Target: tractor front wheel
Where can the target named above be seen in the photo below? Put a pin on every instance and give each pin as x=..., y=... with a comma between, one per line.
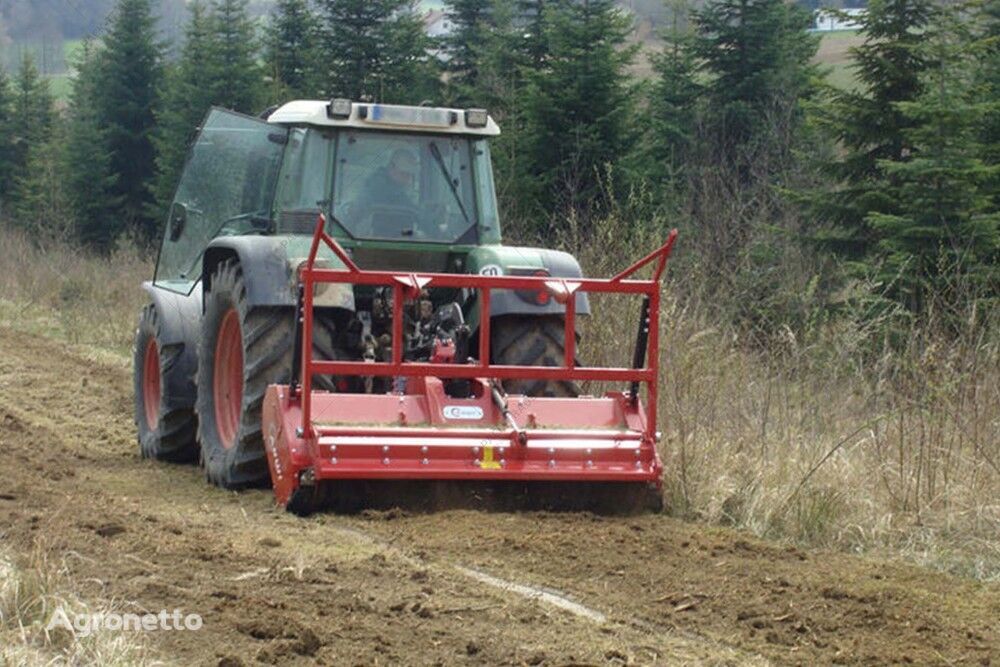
x=524, y=340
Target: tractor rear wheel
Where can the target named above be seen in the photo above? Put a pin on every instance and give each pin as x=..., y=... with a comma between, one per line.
x=519, y=340
x=242, y=350
x=166, y=422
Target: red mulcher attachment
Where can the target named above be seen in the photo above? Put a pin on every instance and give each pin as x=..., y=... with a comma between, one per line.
x=315, y=438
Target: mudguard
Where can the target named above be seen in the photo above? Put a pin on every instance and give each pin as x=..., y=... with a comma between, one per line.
x=268, y=264
x=180, y=325
x=507, y=260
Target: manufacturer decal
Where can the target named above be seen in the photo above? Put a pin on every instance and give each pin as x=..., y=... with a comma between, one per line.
x=491, y=270
x=463, y=412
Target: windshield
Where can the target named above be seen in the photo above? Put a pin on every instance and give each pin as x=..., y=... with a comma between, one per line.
x=390, y=185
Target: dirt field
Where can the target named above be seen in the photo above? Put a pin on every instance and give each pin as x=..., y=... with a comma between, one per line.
x=454, y=587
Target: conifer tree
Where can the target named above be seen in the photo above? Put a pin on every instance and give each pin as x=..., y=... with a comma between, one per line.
x=756, y=56
x=580, y=107
x=32, y=119
x=129, y=83
x=870, y=126
x=673, y=105
x=188, y=95
x=533, y=45
x=943, y=235
x=292, y=42
x=236, y=74
x=87, y=162
x=471, y=22
x=6, y=140
x=374, y=49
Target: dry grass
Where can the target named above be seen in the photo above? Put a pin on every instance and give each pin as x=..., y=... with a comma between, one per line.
x=816, y=441
x=837, y=440
x=64, y=292
x=32, y=589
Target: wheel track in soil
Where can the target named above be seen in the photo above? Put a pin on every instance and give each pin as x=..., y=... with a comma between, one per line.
x=389, y=587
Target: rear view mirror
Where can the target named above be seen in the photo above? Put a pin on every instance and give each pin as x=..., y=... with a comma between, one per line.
x=178, y=219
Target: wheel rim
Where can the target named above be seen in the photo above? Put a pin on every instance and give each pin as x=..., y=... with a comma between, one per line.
x=151, y=383
x=227, y=378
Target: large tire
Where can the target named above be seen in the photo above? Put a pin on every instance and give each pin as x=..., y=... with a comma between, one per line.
x=165, y=422
x=520, y=340
x=255, y=351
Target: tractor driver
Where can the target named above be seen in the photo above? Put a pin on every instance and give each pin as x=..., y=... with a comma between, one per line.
x=388, y=195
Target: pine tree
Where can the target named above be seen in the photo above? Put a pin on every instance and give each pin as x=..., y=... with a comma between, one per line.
x=129, y=82
x=375, y=49
x=871, y=127
x=756, y=56
x=237, y=77
x=292, y=42
x=471, y=22
x=943, y=236
x=87, y=162
x=580, y=107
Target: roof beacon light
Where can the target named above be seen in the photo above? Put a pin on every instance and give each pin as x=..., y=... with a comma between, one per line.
x=339, y=108
x=476, y=117
x=388, y=114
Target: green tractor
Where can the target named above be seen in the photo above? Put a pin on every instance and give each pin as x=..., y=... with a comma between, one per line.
x=403, y=189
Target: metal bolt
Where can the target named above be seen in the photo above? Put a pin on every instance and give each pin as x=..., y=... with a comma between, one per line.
x=385, y=449
x=590, y=464
x=552, y=451
x=503, y=463
x=475, y=450
x=589, y=451
x=552, y=463
x=637, y=453
x=298, y=432
x=423, y=450
x=424, y=461
x=334, y=460
x=385, y=460
x=477, y=462
x=501, y=450
x=638, y=465
x=333, y=448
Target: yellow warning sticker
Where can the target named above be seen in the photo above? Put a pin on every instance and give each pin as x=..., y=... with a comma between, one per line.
x=488, y=462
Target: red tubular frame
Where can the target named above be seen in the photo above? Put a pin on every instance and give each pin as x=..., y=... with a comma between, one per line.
x=408, y=285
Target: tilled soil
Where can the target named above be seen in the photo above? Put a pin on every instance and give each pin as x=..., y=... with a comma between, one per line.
x=453, y=587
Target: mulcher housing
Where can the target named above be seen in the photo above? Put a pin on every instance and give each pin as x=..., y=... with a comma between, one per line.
x=422, y=433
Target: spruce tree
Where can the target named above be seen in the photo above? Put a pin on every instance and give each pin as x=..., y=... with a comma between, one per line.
x=7, y=167
x=534, y=45
x=673, y=105
x=87, y=162
x=32, y=119
x=237, y=76
x=871, y=127
x=189, y=93
x=375, y=50
x=471, y=22
x=129, y=82
x=291, y=48
x=756, y=56
x=942, y=238
x=579, y=108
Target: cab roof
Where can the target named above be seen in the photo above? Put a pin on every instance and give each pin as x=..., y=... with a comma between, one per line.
x=389, y=117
